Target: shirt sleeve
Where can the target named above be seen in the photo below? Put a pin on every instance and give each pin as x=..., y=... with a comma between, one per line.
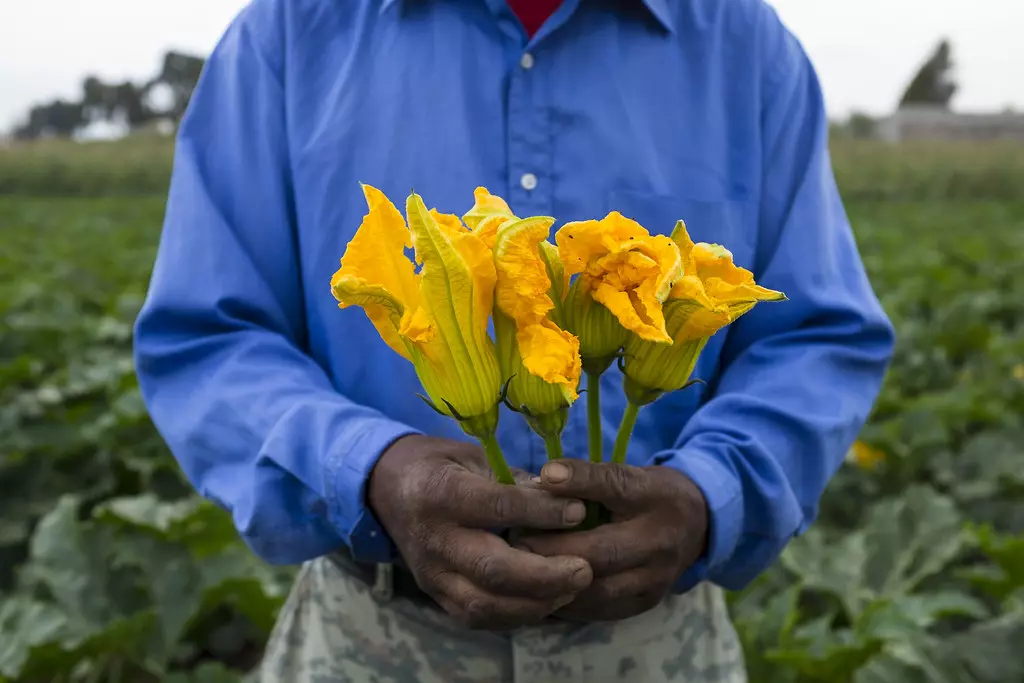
x=253, y=420
x=797, y=378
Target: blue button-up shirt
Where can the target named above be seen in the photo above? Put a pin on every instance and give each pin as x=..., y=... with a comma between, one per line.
x=277, y=404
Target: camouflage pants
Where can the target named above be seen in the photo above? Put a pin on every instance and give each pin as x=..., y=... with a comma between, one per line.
x=333, y=629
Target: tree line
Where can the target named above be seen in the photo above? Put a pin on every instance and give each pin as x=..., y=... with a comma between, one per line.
x=163, y=97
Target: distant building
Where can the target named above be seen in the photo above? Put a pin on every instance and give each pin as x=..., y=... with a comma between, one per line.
x=926, y=123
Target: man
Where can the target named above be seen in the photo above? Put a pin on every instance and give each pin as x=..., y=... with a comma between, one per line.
x=298, y=419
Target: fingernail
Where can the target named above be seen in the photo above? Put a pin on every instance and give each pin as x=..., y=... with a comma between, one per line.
x=535, y=480
x=582, y=577
x=575, y=512
x=555, y=473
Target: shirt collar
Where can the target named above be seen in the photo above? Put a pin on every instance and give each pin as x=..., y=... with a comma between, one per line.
x=658, y=8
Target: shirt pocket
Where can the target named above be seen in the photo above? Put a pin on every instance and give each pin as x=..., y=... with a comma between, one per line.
x=728, y=221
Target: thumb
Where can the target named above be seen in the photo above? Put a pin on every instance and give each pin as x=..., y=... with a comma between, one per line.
x=619, y=487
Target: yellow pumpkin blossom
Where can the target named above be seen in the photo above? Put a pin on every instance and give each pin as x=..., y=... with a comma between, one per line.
x=438, y=317
x=712, y=293
x=626, y=270
x=540, y=359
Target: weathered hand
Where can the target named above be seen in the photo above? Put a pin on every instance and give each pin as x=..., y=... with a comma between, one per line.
x=436, y=500
x=659, y=528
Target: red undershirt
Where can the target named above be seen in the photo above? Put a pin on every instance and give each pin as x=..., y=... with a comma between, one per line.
x=533, y=13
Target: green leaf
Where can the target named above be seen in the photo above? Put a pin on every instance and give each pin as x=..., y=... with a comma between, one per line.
x=1007, y=552
x=909, y=539
x=818, y=652
x=905, y=541
x=26, y=624
x=991, y=651
x=146, y=511
x=834, y=567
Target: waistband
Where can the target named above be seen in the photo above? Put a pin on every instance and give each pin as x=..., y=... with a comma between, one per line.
x=384, y=580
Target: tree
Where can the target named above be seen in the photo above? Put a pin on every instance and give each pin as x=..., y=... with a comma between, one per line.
x=121, y=103
x=130, y=105
x=179, y=75
x=933, y=85
x=53, y=119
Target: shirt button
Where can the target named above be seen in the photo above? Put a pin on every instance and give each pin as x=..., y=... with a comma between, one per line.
x=526, y=61
x=528, y=181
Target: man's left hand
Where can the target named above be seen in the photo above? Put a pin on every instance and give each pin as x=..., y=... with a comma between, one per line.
x=659, y=528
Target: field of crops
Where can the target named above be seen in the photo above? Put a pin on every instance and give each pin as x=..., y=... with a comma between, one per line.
x=110, y=570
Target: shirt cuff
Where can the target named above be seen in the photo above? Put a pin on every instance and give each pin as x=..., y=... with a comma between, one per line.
x=724, y=497
x=348, y=468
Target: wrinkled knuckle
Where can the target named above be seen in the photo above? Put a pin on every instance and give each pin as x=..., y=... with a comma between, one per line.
x=507, y=507
x=487, y=570
x=616, y=478
x=499, y=507
x=435, y=545
x=611, y=554
x=422, y=493
x=606, y=552
x=427, y=577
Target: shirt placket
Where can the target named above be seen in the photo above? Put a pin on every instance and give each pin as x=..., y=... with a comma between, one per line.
x=529, y=164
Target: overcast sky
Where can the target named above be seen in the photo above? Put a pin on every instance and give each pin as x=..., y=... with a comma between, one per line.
x=865, y=50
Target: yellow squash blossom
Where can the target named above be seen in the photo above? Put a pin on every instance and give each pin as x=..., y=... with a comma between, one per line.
x=541, y=359
x=625, y=274
x=712, y=293
x=864, y=456
x=437, y=318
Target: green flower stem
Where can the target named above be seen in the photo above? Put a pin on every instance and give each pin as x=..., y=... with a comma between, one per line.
x=594, y=416
x=625, y=432
x=553, y=446
x=497, y=461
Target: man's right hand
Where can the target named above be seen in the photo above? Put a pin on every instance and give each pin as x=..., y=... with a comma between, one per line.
x=437, y=501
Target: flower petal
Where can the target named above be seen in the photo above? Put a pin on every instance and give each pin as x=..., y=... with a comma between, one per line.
x=523, y=285
x=383, y=310
x=687, y=320
x=712, y=279
x=556, y=273
x=376, y=275
x=524, y=263
x=724, y=280
x=633, y=313
x=580, y=242
x=448, y=222
x=487, y=215
x=457, y=287
x=628, y=270
x=551, y=354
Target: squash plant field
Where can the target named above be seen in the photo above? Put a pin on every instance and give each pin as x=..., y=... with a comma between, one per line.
x=112, y=570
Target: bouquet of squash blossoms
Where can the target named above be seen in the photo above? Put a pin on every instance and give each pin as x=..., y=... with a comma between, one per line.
x=606, y=291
